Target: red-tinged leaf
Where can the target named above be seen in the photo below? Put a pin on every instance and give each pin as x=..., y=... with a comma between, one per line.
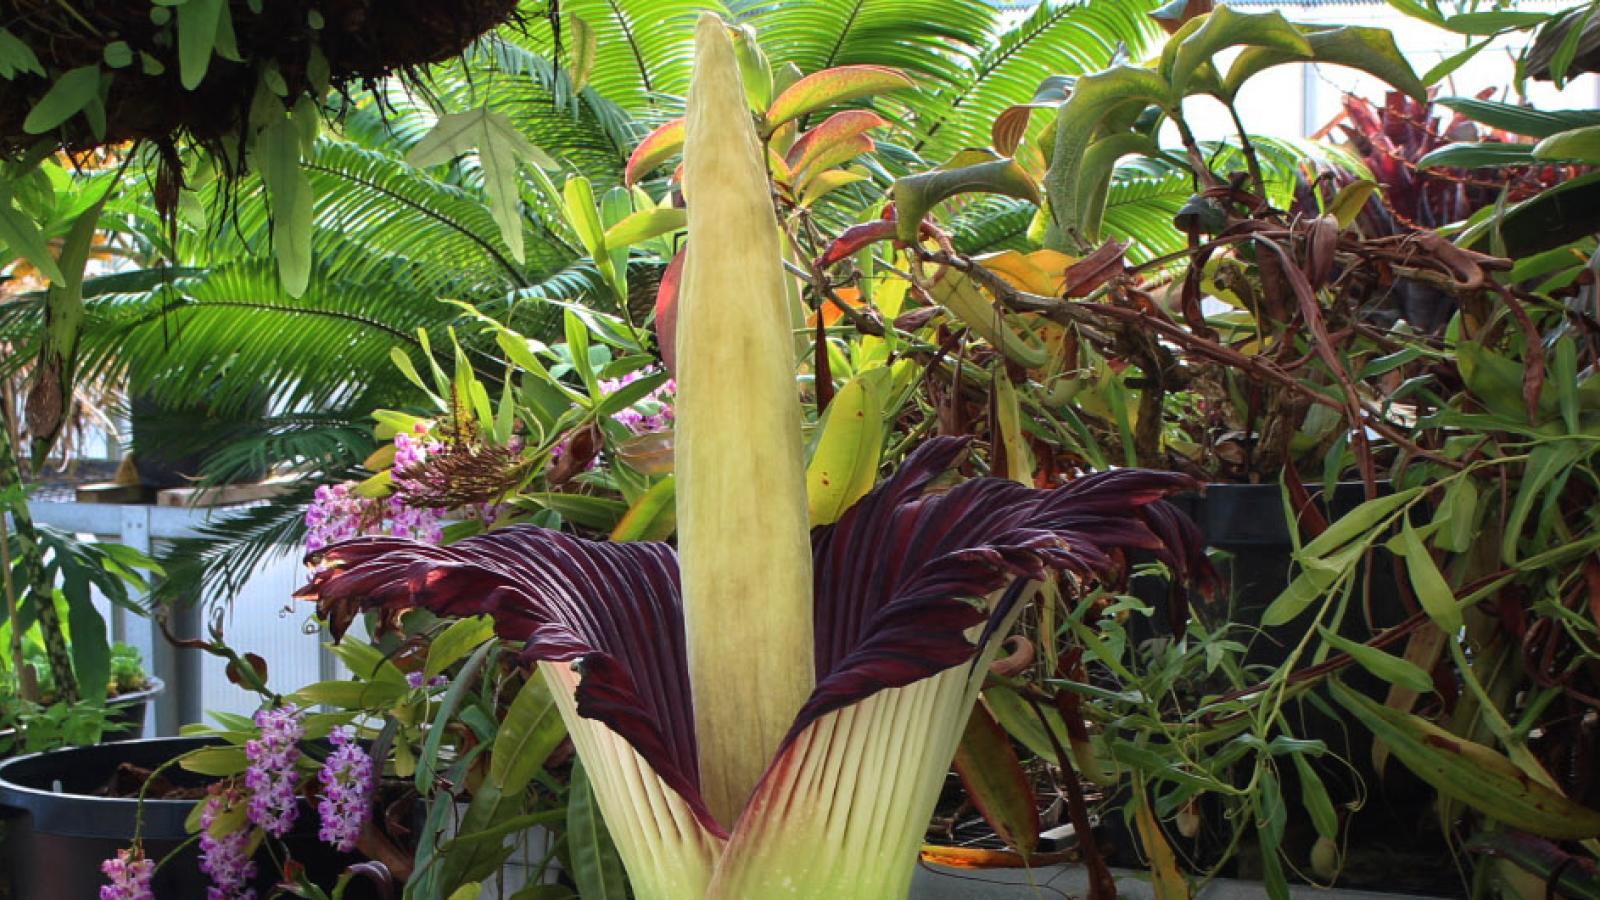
x=832, y=155
x=996, y=783
x=1011, y=126
x=657, y=147
x=1094, y=270
x=1172, y=16
x=832, y=86
x=648, y=454
x=824, y=183
x=667, y=312
x=838, y=127
x=856, y=237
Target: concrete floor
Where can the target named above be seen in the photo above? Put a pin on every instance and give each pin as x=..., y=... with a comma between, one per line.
x=1058, y=882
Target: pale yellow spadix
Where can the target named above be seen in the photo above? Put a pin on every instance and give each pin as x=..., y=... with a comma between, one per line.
x=743, y=543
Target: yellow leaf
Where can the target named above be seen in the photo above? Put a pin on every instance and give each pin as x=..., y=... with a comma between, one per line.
x=845, y=464
x=1168, y=882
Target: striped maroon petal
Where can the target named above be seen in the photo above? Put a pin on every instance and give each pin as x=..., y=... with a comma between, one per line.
x=614, y=610
x=897, y=574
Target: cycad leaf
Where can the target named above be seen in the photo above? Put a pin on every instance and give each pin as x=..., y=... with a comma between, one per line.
x=500, y=148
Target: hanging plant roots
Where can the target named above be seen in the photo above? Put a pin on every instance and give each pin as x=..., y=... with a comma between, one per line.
x=359, y=40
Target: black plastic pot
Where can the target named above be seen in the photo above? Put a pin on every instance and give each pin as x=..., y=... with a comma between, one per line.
x=57, y=831
x=129, y=710
x=1247, y=523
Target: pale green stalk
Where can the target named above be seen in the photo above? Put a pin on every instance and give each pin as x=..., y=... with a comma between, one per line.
x=743, y=539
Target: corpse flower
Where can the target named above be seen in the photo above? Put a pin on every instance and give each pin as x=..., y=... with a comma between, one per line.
x=770, y=710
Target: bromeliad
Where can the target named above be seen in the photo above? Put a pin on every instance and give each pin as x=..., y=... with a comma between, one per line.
x=767, y=713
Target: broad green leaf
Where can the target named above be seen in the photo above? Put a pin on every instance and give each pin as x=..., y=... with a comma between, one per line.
x=578, y=347
x=1021, y=722
x=915, y=195
x=1458, y=514
x=1357, y=522
x=22, y=238
x=220, y=762
x=653, y=517
x=1370, y=50
x=1271, y=817
x=17, y=57
x=456, y=641
x=529, y=733
x=578, y=198
x=276, y=157
x=1306, y=587
x=1470, y=155
x=595, y=865
x=831, y=86
x=91, y=652
x=350, y=694
x=1552, y=218
x=1523, y=120
x=1432, y=591
x=1492, y=22
x=1348, y=203
x=73, y=90
x=1093, y=99
x=1470, y=772
x=501, y=147
x=1579, y=144
x=644, y=225
x=581, y=49
x=599, y=513
x=1314, y=796
x=197, y=36
x=845, y=464
x=1392, y=669
x=1449, y=64
x=467, y=891
x=1225, y=28
x=658, y=146
x=367, y=662
x=996, y=783
x=1545, y=463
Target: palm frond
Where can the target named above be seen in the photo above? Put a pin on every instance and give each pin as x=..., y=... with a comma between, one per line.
x=1057, y=38
x=936, y=44
x=643, y=48
x=992, y=224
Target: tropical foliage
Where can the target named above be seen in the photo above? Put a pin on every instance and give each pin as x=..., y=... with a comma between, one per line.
x=989, y=271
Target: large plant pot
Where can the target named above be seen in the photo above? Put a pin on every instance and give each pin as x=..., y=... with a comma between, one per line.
x=57, y=832
x=129, y=710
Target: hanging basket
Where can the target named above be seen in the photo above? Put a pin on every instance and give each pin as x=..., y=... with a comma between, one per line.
x=139, y=51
